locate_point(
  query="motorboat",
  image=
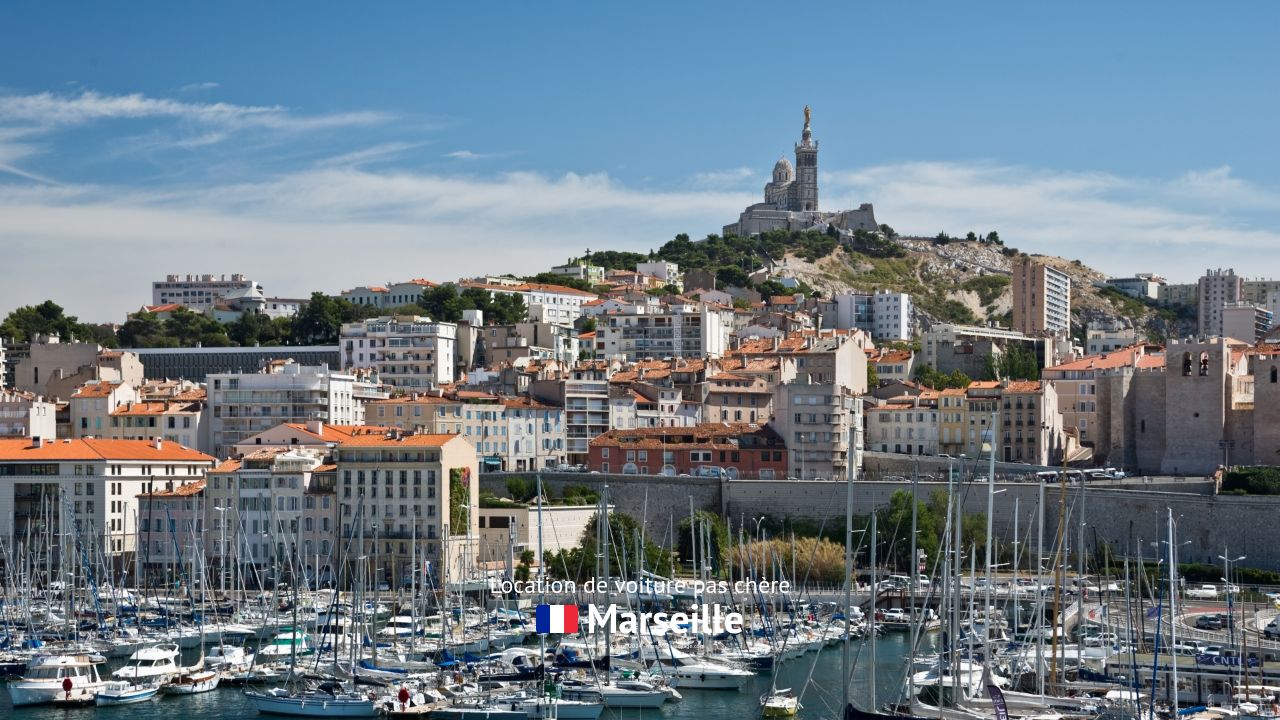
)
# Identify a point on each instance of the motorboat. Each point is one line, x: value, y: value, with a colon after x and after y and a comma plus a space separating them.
x: 228, y: 658
x: 122, y: 692
x: 43, y: 681
x: 159, y: 662
x: 706, y: 675
x: 285, y: 644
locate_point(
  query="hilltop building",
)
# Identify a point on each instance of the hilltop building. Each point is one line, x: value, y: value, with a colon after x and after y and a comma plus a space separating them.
x: 791, y: 198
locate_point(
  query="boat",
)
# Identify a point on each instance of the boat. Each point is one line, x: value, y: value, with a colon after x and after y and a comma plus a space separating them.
x: 329, y: 700
x: 710, y: 676
x: 229, y: 658
x: 157, y: 662
x: 780, y: 703
x: 122, y: 692
x: 43, y: 681
x: 192, y: 682
x: 619, y: 694
x: 287, y: 643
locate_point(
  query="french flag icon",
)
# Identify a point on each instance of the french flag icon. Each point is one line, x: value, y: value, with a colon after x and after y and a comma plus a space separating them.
x: 558, y: 619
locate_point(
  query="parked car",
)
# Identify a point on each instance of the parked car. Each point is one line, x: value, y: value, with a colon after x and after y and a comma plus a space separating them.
x: 1272, y: 630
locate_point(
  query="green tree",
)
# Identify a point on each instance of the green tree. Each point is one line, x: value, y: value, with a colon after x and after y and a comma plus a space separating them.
x: 719, y: 540
x: 895, y: 519
x: 320, y: 321
x: 579, y: 563
x: 47, y: 318
x: 141, y: 330
x: 873, y: 377
x: 926, y: 375
x: 550, y: 278
x: 189, y: 328
x: 442, y: 303
x: 888, y: 231
x: 1015, y: 363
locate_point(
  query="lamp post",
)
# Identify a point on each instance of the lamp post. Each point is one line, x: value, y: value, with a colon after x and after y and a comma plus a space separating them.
x: 222, y: 550
x: 1227, y: 562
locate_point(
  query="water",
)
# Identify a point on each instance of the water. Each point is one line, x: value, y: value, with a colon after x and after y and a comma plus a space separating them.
x: 821, y: 699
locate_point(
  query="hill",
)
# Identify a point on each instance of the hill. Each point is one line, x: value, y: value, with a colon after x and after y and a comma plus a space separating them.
x: 960, y: 280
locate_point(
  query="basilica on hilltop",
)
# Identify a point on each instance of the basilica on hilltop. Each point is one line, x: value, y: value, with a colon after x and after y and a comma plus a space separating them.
x: 791, y: 198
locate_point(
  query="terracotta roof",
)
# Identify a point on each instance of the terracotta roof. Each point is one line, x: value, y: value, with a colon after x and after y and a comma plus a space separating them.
x: 95, y: 390
x: 340, y: 433
x: 530, y: 287
x: 782, y: 300
x: 98, y: 449
x: 166, y: 307
x: 324, y: 468
x: 409, y: 398
x: 524, y: 402
x: 894, y: 356
x: 397, y: 440
x: 984, y: 385
x: 419, y: 281
x: 1024, y: 386
x: 154, y: 408
x: 1124, y: 357
x: 226, y: 466
x: 702, y: 435
x: 184, y: 490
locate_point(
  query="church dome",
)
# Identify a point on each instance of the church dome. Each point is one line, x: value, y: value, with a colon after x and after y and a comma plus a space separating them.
x: 782, y: 171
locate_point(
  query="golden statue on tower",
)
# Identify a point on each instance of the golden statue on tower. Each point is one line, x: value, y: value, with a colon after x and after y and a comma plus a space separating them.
x: 806, y: 114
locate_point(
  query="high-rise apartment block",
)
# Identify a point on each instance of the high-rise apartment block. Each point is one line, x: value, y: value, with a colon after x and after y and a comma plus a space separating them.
x: 1041, y: 298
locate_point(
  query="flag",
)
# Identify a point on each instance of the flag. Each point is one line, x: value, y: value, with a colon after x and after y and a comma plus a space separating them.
x: 997, y: 702
x: 556, y: 619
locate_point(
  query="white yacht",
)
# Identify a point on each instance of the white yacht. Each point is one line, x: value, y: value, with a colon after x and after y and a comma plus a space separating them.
x: 159, y: 663
x: 42, y: 682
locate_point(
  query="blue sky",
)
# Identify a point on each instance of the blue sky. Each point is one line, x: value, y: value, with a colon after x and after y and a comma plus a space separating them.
x: 323, y: 146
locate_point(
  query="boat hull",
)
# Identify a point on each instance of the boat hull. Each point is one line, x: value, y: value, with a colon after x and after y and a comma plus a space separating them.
x: 312, y: 706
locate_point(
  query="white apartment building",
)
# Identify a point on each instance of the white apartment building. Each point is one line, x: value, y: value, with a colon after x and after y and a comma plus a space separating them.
x: 691, y: 330
x: 245, y: 404
x: 198, y: 292
x: 584, y: 395
x: 405, y: 351
x: 891, y: 313
x: 388, y: 296
x: 1102, y: 338
x: 507, y: 532
x: 24, y: 414
x: 49, y: 486
x: 667, y: 272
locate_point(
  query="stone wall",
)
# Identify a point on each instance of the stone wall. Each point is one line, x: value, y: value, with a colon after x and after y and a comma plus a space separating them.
x: 1127, y: 517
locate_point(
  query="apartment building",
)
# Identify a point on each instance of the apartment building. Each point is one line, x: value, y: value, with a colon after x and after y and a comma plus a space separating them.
x: 493, y: 346
x: 1076, y: 385
x: 732, y: 450
x: 891, y: 313
x: 817, y: 422
x: 737, y: 398
x: 399, y: 487
x: 55, y: 369
x: 907, y: 424
x: 584, y: 395
x: 50, y: 487
x: 171, y: 532
x: 1030, y: 426
x: 1108, y: 337
x: 554, y: 304
x: 244, y: 404
x: 1245, y: 321
x: 391, y: 295
x: 24, y: 414
x: 691, y: 330
x: 1144, y: 286
x: 198, y: 292
x: 819, y: 356
x: 405, y: 351
x: 506, y: 532
x: 508, y: 433
x: 1215, y: 290
x: 1041, y: 298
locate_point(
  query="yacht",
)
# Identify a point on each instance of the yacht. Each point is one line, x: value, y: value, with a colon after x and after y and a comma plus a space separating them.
x: 328, y: 701
x: 122, y: 692
x: 152, y: 663
x: 43, y: 680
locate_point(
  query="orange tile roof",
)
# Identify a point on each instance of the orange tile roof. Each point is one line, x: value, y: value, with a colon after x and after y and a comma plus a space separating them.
x: 98, y: 449
x: 1124, y: 357
x: 166, y: 307
x: 95, y: 390
x: 226, y: 466
x: 401, y: 440
x: 420, y: 281
x: 1023, y: 386
x: 984, y: 385
x: 782, y: 300
x: 895, y: 356
x: 154, y: 408
x: 324, y: 468
x: 184, y: 490
x: 340, y: 433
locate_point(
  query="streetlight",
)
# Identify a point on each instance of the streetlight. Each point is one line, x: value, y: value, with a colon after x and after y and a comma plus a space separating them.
x: 1226, y: 570
x: 222, y: 550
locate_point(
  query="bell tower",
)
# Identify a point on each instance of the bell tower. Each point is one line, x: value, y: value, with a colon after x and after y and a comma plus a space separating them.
x: 805, y: 188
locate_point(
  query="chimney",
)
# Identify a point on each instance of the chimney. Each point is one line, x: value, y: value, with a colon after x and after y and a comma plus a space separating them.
x: 775, y: 343
x: 37, y: 441
x: 157, y: 443
x: 316, y: 427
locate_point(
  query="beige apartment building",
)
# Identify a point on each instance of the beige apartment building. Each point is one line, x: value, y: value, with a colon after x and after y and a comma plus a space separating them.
x: 1041, y: 298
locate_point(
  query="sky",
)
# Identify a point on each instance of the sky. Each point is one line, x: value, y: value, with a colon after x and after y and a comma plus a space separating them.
x: 323, y: 146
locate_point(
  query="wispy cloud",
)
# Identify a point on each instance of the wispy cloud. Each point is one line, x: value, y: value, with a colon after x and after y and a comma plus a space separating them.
x: 49, y: 109
x: 735, y: 178
x: 370, y: 155
x: 469, y: 155
x: 200, y: 87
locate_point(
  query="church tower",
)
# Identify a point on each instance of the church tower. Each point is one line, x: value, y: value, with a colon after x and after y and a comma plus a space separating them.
x: 805, y: 188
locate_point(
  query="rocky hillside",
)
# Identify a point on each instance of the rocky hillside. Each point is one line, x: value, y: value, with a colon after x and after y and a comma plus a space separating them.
x: 968, y: 282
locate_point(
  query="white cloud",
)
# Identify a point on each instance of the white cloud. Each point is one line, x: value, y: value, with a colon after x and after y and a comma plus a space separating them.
x: 375, y: 153
x: 735, y: 179
x: 199, y: 87
x: 51, y: 110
